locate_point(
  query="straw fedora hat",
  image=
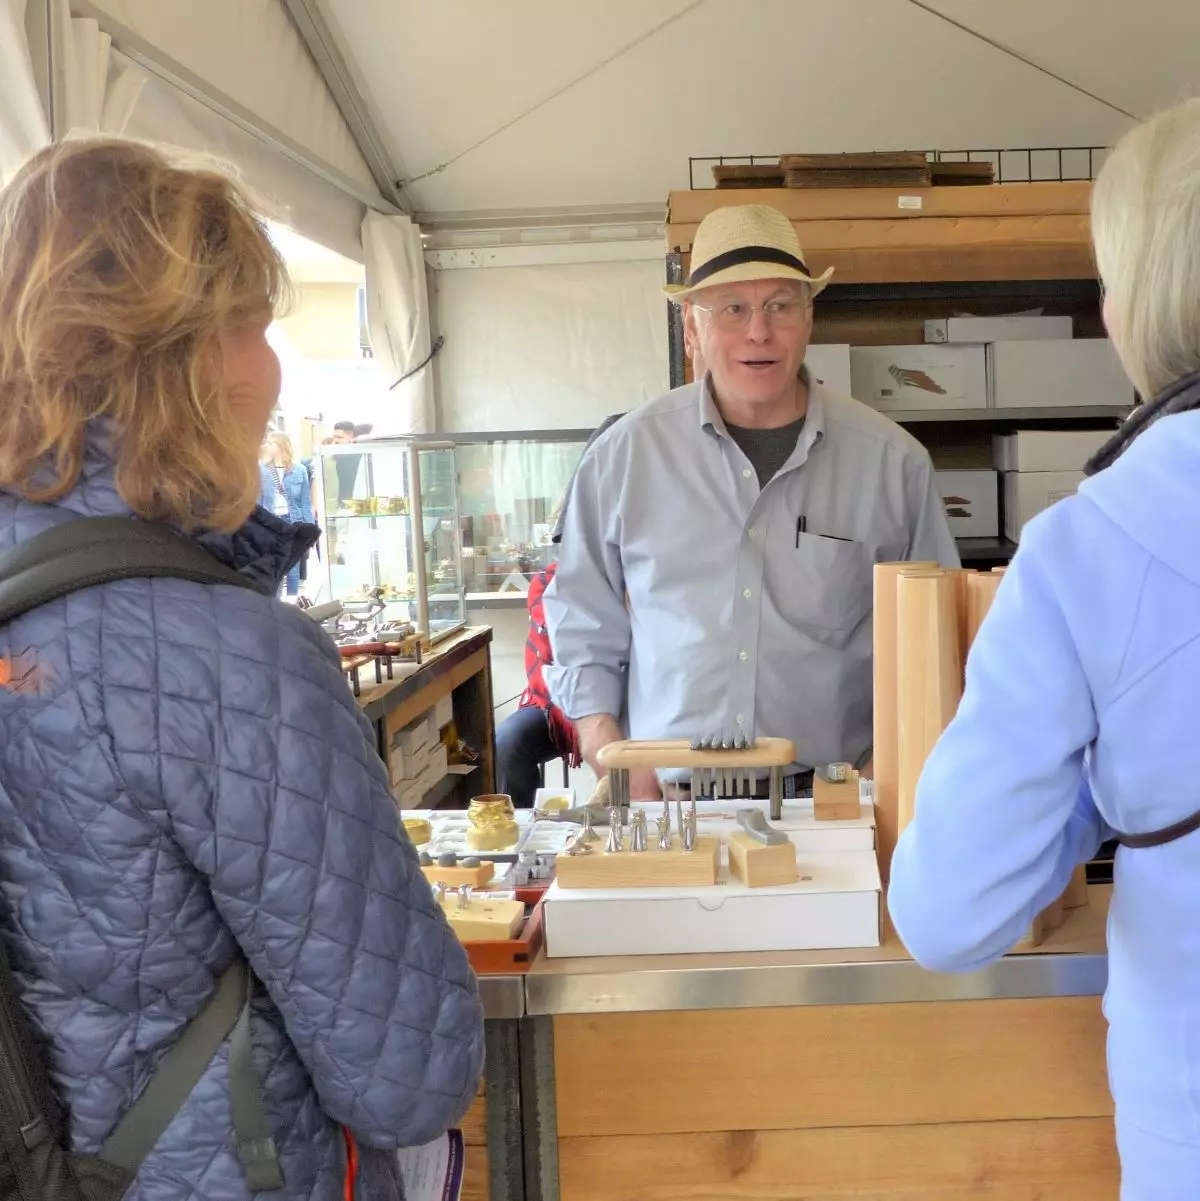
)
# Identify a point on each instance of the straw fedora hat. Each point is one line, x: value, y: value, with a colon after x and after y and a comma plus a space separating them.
x: 744, y: 243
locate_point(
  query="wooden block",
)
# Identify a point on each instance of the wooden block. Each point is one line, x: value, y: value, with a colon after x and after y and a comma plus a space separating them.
x: 748, y: 175
x: 452, y: 877
x: 1052, y: 916
x: 1076, y: 895
x: 962, y: 174
x: 677, y: 752
x: 885, y: 767
x: 981, y: 591
x: 484, y: 920
x: 650, y: 868
x: 887, y: 177
x: 836, y: 802
x: 760, y: 866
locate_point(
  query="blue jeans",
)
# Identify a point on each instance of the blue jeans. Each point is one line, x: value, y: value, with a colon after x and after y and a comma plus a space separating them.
x: 523, y: 744
x: 292, y: 584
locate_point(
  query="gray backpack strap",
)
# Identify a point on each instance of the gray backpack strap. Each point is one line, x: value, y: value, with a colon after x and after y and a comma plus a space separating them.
x: 97, y: 550
x: 180, y: 1070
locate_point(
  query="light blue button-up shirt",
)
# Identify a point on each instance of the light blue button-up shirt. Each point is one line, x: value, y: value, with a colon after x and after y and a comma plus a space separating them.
x: 749, y: 610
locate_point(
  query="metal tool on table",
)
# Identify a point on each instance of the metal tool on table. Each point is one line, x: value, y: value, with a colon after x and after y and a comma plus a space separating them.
x: 637, y: 830
x: 753, y: 822
x: 663, y: 822
x: 738, y: 759
x: 613, y: 845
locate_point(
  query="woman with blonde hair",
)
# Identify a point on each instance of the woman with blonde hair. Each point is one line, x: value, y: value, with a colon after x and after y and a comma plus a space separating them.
x: 286, y: 491
x: 1079, y: 718
x: 186, y: 782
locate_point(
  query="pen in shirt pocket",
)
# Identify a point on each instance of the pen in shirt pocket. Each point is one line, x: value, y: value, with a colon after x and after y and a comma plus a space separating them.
x: 801, y: 527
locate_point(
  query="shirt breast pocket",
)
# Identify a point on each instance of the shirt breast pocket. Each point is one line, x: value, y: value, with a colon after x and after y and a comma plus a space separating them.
x: 830, y: 585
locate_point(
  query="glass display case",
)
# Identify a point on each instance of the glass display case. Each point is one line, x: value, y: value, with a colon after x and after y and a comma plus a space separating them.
x: 511, y: 486
x: 389, y: 511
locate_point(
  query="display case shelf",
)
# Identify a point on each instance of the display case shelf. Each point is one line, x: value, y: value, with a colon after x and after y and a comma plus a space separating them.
x: 417, y: 552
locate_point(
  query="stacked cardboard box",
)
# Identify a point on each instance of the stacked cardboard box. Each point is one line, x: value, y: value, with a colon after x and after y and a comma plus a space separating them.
x: 1041, y: 467
x: 418, y: 758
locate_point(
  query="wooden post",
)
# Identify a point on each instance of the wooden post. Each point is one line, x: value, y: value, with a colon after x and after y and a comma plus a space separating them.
x: 929, y: 674
x: 884, y: 766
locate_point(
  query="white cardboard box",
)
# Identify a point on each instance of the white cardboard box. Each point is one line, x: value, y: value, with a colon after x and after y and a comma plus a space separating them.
x: 897, y: 378
x: 830, y: 363
x: 1047, y: 450
x: 972, y: 500
x: 436, y: 760
x: 1054, y: 374
x: 997, y: 329
x: 413, y: 738
x: 443, y: 712
x: 835, y: 905
x: 1027, y: 493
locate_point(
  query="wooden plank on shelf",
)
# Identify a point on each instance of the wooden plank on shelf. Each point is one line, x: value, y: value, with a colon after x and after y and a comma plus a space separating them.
x: 686, y: 208
x: 870, y: 160
x: 1069, y: 1159
x: 476, y: 1180
x: 748, y: 175
x: 885, y: 177
x: 850, y: 1065
x: 962, y: 174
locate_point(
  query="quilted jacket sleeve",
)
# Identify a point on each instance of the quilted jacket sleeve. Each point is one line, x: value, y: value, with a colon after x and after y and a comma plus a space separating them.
x: 233, y: 720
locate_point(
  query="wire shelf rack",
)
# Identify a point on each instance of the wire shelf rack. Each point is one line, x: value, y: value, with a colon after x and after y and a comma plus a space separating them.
x: 1013, y: 164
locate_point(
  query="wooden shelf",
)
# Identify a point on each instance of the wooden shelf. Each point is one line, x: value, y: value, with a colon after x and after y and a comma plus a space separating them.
x: 1002, y: 416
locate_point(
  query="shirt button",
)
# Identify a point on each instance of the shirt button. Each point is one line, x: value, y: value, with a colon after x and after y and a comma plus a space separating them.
x: 753, y: 532
x: 743, y: 656
x: 747, y: 594
x: 747, y: 472
x: 741, y: 719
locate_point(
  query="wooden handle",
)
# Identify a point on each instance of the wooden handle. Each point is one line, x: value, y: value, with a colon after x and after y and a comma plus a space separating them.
x: 766, y: 752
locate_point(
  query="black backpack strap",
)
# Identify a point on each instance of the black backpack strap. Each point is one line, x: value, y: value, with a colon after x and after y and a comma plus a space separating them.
x: 97, y: 550
x: 228, y: 1009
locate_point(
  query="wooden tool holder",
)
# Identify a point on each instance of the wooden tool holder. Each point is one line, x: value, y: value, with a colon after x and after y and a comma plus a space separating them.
x: 619, y: 757
x: 926, y: 619
x: 593, y: 866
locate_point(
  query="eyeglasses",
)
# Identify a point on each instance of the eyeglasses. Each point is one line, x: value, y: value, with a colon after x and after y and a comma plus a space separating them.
x: 784, y: 312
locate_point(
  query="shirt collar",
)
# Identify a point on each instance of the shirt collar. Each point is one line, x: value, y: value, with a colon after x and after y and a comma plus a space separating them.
x: 814, y: 417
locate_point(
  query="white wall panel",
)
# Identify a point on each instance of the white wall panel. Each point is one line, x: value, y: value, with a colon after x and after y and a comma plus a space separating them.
x: 548, y: 347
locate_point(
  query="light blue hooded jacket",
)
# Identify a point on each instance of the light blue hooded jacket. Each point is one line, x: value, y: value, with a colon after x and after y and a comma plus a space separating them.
x: 1082, y: 716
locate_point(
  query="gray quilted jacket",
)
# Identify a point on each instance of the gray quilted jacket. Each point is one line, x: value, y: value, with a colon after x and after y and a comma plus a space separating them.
x: 183, y: 773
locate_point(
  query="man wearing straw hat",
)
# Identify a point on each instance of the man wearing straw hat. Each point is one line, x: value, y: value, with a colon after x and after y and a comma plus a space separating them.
x: 716, y: 577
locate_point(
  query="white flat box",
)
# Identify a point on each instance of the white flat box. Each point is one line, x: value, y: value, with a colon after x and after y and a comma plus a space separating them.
x: 1056, y: 374
x: 997, y: 329
x: 443, y: 713
x: 972, y: 501
x: 1028, y: 493
x: 834, y: 905
x: 809, y: 836
x: 1047, y: 450
x: 397, y: 765
x: 413, y: 738
x: 901, y: 378
x: 437, y: 760
x: 429, y: 778
x: 830, y: 363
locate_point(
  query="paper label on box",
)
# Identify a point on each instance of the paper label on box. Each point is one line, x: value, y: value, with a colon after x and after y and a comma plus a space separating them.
x: 909, y: 202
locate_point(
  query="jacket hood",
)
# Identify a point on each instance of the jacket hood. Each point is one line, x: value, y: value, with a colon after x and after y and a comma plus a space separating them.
x: 1152, y: 492
x: 264, y: 549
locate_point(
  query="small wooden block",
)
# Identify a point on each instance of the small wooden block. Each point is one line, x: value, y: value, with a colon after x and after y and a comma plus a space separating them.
x: 483, y: 920
x: 836, y: 802
x: 452, y: 877
x: 760, y: 866
x: 1034, y: 935
x: 650, y: 868
x: 1076, y: 895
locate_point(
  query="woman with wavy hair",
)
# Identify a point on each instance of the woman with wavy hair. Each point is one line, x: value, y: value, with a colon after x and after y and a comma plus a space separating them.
x: 1079, y: 719
x: 185, y: 778
x: 286, y: 490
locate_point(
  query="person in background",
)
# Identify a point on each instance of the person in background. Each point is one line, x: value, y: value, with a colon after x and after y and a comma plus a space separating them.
x: 1079, y: 717
x: 538, y: 731
x: 716, y: 571
x: 286, y: 490
x: 185, y: 777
